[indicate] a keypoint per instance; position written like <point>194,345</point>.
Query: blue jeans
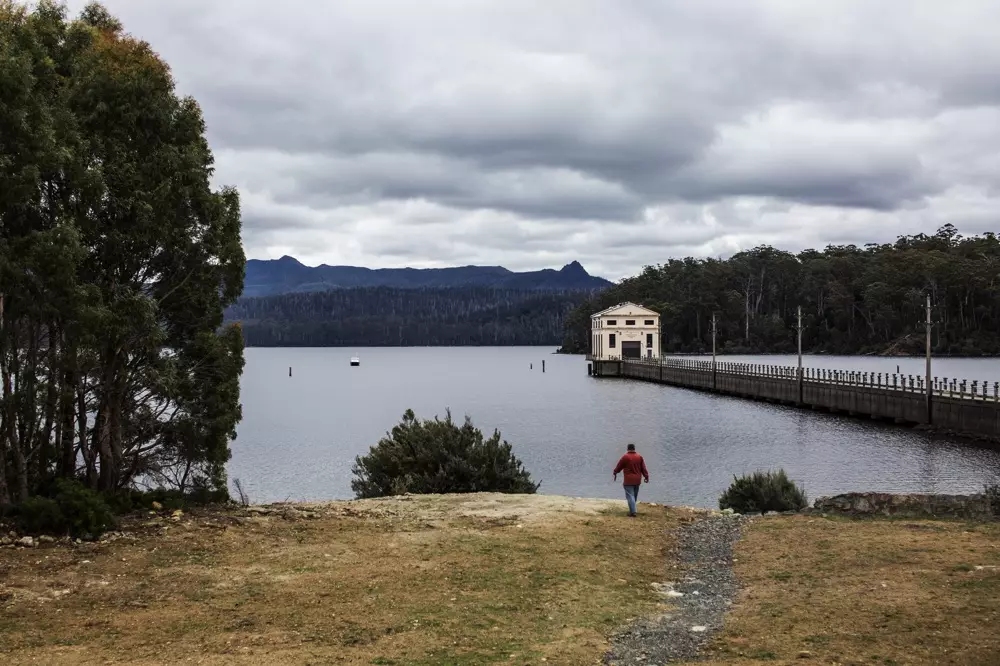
<point>631,496</point>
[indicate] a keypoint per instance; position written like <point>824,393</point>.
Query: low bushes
<point>763,491</point>
<point>73,510</point>
<point>130,501</point>
<point>439,457</point>
<point>69,508</point>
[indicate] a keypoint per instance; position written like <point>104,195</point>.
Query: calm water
<point>300,434</point>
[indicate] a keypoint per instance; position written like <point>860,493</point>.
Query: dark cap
<point>631,447</point>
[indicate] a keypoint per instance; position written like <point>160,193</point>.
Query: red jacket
<point>634,467</point>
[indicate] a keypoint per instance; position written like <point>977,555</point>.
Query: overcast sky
<point>532,133</point>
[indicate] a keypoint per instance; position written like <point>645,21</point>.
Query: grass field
<point>490,579</point>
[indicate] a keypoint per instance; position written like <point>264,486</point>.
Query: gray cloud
<point>530,134</point>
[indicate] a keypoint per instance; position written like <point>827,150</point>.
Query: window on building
<point>612,322</point>
<point>649,339</point>
<point>650,322</point>
<point>630,322</point>
<point>611,341</point>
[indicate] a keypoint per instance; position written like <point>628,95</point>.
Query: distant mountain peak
<point>285,259</point>
<point>574,268</point>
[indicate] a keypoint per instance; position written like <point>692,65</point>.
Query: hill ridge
<point>269,277</point>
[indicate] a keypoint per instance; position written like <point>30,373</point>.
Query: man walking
<point>635,471</point>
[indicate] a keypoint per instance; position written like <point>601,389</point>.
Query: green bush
<point>74,510</point>
<point>130,501</point>
<point>763,491</point>
<point>38,515</point>
<point>439,457</point>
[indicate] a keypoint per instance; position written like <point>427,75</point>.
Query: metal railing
<point>940,386</point>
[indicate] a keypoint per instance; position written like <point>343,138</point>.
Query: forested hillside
<point>854,299</point>
<point>386,316</point>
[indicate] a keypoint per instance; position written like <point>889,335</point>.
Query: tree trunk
<point>64,443</point>
<point>85,449</point>
<point>51,404</point>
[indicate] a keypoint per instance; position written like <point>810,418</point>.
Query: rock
<point>26,542</point>
<point>727,512</point>
<point>805,654</point>
<point>176,515</point>
<point>908,505</point>
<point>157,506</point>
<point>45,538</point>
<point>699,628</point>
<point>6,541</point>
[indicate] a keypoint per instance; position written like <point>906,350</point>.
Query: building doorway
<point>631,349</point>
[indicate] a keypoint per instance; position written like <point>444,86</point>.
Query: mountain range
<point>267,277</point>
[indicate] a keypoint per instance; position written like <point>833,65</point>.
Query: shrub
<point>37,515</point>
<point>439,457</point>
<point>74,510</point>
<point>763,491</point>
<point>129,501</point>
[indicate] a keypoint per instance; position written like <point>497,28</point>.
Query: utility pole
<point>927,379</point>
<point>798,327</point>
<point>713,351</point>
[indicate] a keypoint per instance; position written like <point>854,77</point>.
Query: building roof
<point>626,308</point>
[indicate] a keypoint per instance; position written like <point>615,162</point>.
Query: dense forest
<point>867,299</point>
<point>117,259</point>
<point>387,316</point>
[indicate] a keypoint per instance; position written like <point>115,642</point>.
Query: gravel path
<point>699,598</point>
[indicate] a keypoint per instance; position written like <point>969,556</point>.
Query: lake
<point>300,434</point>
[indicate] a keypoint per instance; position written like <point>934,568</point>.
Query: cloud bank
<point>527,134</point>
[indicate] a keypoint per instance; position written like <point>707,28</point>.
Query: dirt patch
<point>472,579</point>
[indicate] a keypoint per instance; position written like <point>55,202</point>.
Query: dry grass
<point>487,579</point>
<point>865,592</point>
<point>430,580</point>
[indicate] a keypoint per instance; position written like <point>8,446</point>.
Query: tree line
<point>389,316</point>
<point>854,300</point>
<point>116,262</point>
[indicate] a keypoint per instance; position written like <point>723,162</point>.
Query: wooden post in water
<point>289,371</point>
<point>543,365</point>
<point>798,327</point>
<point>930,414</point>
<point>713,353</point>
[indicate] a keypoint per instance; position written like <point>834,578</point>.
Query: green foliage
<point>75,510</point>
<point>763,491</point>
<point>439,456</point>
<point>853,299</point>
<point>131,501</point>
<point>117,261</point>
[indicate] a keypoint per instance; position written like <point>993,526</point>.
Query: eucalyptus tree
<point>117,259</point>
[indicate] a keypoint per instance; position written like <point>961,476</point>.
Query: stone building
<point>624,331</point>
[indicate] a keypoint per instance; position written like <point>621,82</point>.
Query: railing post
<point>930,409</point>
<point>799,371</point>
<point>713,353</point>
